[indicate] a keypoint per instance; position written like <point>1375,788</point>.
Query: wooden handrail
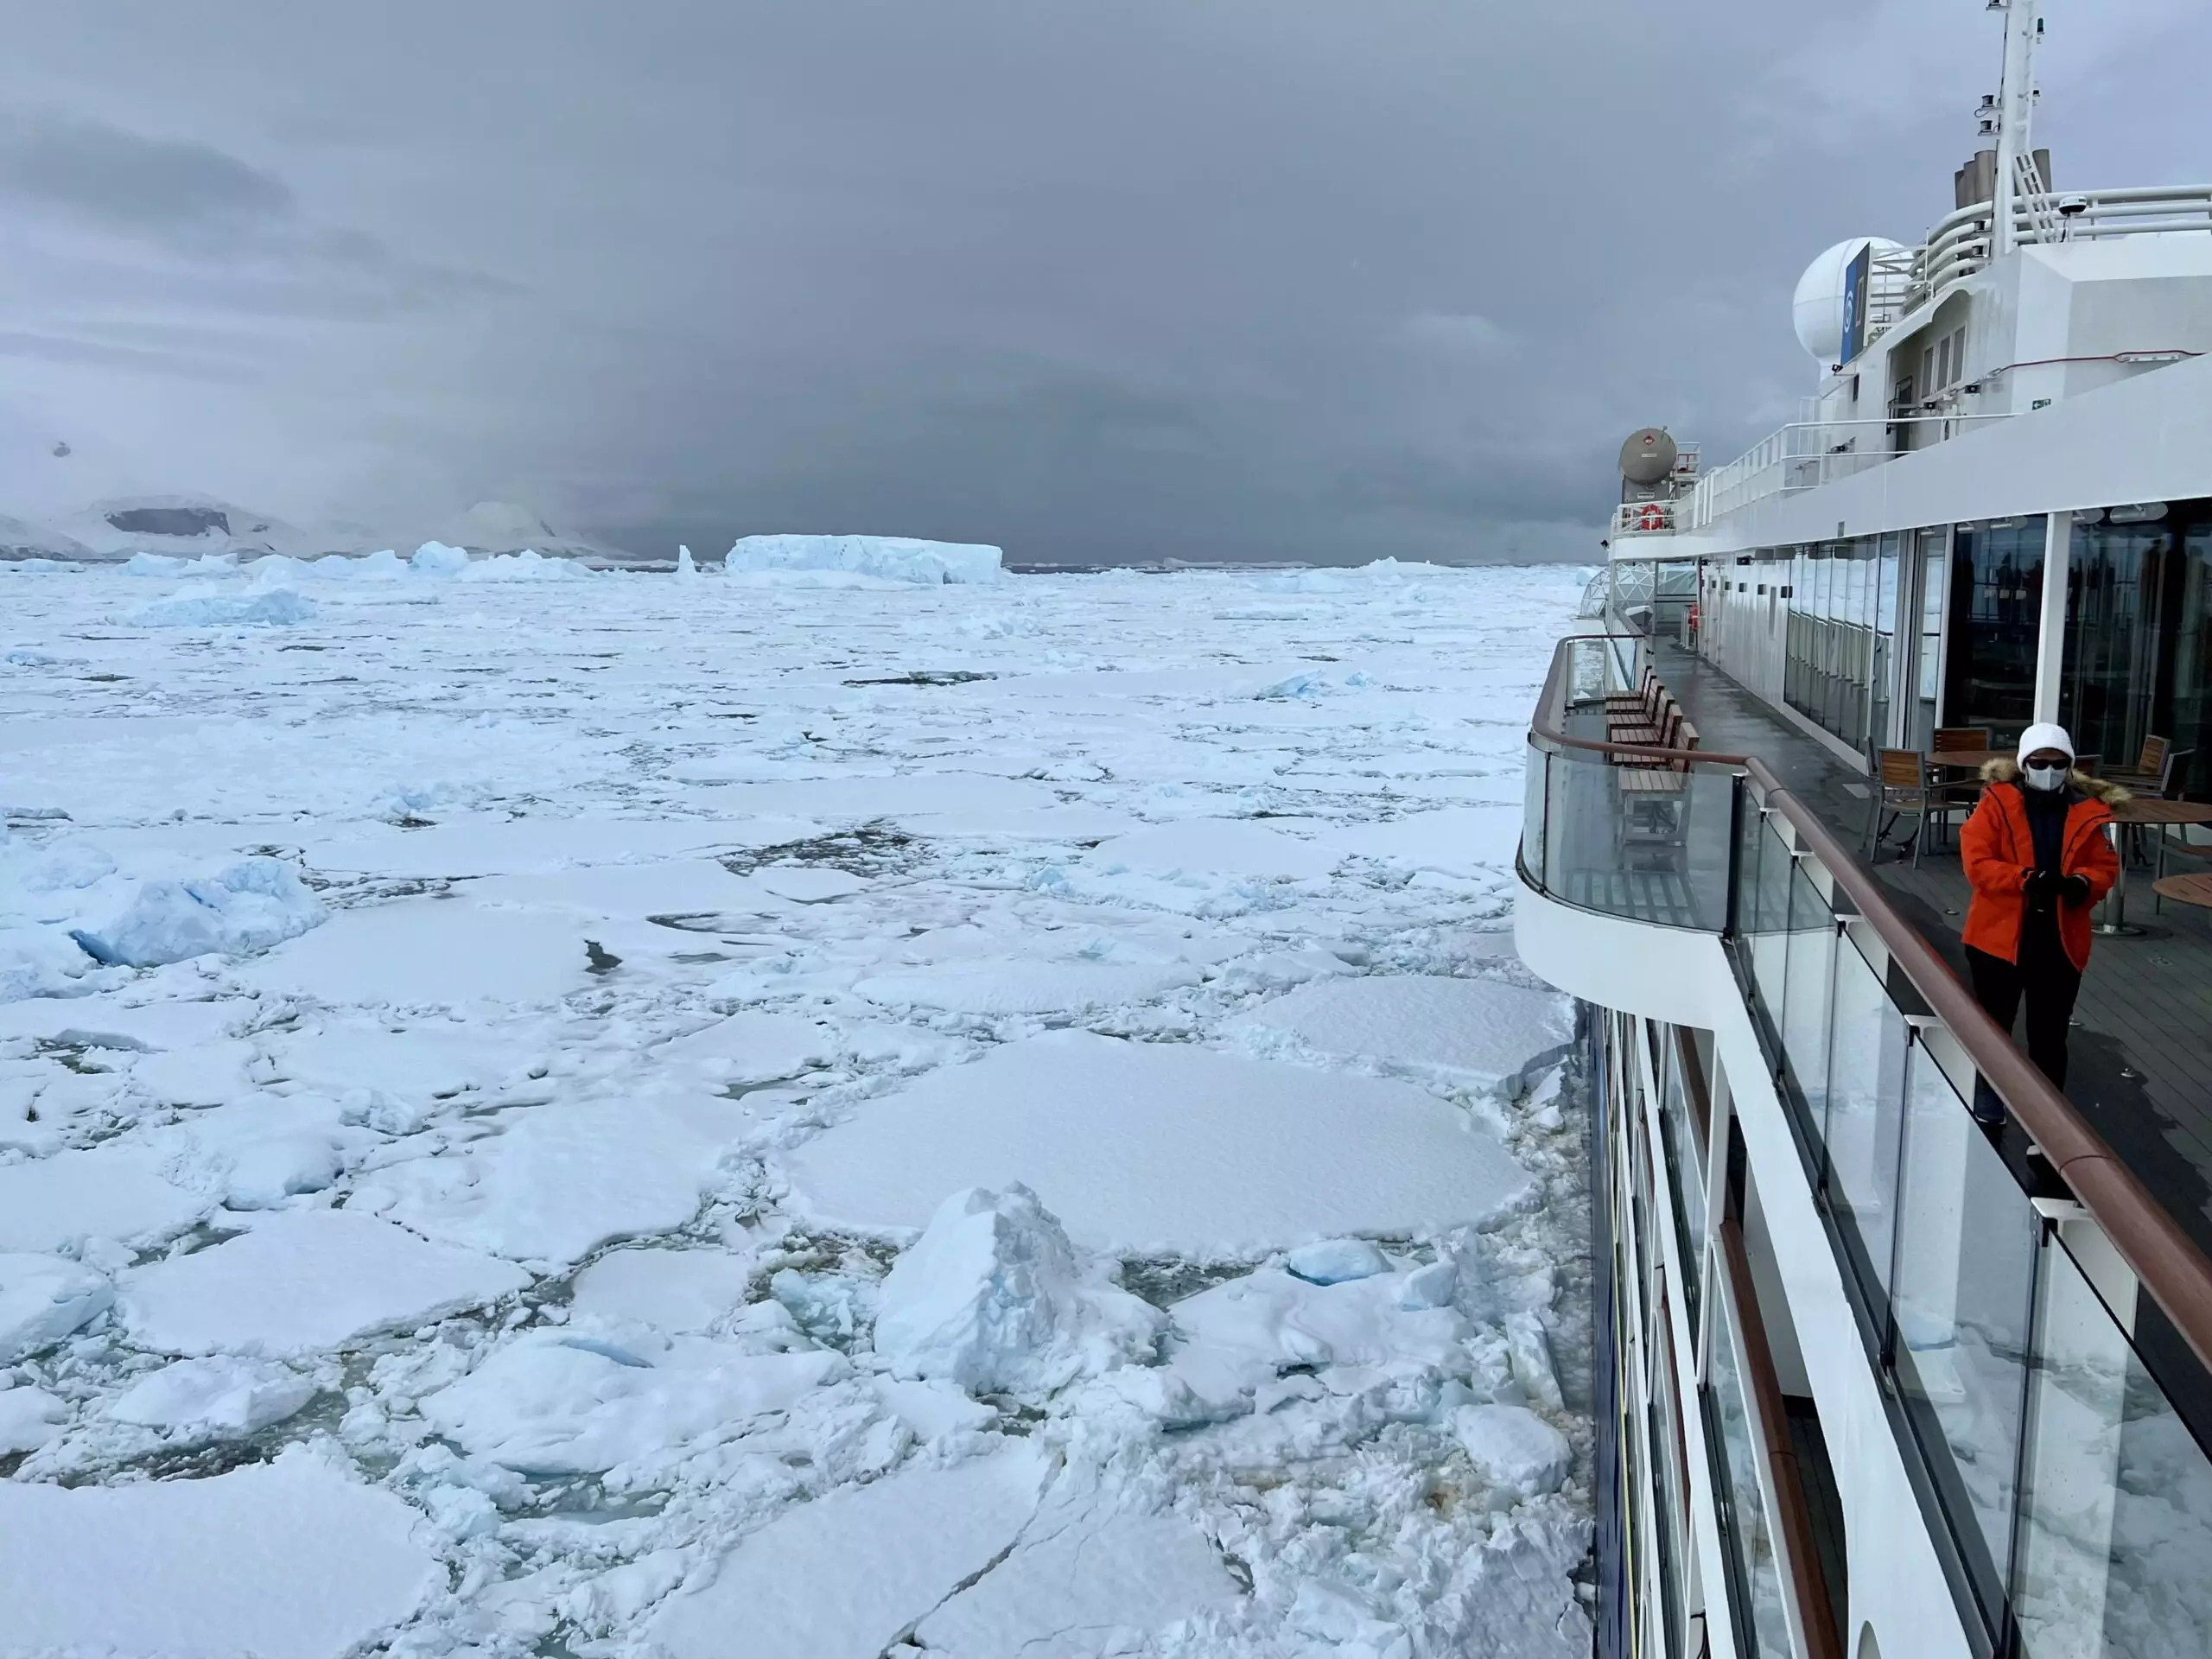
<point>2164,1259</point>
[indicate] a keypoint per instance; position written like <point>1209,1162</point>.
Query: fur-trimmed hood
<point>2004,771</point>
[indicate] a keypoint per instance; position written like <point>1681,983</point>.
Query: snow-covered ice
<point>1159,1148</point>
<point>480,1061</point>
<point>1480,1031</point>
<point>287,1557</point>
<point>847,1576</point>
<point>303,1281</point>
<point>43,1299</point>
<point>990,1297</point>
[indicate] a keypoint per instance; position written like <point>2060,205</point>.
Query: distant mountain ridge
<point>189,525</point>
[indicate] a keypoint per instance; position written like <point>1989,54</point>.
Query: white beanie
<point>2045,735</point>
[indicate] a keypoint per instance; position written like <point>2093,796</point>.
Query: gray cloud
<point>161,188</point>
<point>1261,277</point>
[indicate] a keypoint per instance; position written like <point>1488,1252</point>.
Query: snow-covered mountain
<point>186,525</point>
<point>193,526</point>
<point>21,539</point>
<point>506,527</point>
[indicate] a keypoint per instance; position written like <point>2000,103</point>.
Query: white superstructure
<point>1881,1382</point>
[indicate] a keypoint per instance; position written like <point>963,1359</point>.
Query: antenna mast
<point>2016,115</point>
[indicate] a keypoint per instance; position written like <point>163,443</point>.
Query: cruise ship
<point>1876,1377</point>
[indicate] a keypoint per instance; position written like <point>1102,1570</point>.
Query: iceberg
<point>893,558</point>
<point>272,607</point>
<point>254,904</point>
<point>993,1299</point>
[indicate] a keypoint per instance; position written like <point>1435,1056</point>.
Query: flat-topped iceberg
<point>889,558</point>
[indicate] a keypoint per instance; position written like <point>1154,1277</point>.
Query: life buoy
<point>1654,516</point>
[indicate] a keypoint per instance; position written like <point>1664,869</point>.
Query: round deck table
<point>2165,815</point>
<point>2185,889</point>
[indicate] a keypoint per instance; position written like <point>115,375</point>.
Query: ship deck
<point>2140,1062</point>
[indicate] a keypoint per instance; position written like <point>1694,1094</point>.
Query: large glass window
<point>1996,610</point>
<point>1843,611</point>
<point>2139,627</point>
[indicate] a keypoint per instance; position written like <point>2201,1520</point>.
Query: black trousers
<point>2045,979</point>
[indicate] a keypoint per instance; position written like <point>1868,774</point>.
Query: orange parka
<point>1998,849</point>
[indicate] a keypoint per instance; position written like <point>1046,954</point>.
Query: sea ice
<point>1150,1147</point>
<point>431,952</point>
<point>752,1047</point>
<point>1476,1032</point>
<point>29,1418</point>
<point>1089,1585</point>
<point>252,905</point>
<point>845,1576</point>
<point>893,796</point>
<point>488,780</point>
<point>43,1299</point>
<point>1021,986</point>
<point>1337,1260</point>
<point>484,844</point>
<point>991,1297</point>
<point>283,1558</point>
<point>273,608</point>
<point>304,1280</point>
<point>1216,846</point>
<point>1516,1451</point>
<point>808,884</point>
<point>563,1178</point>
<point>675,1291</point>
<point>563,1405</point>
<point>1459,841</point>
<point>221,1399</point>
<point>111,1191</point>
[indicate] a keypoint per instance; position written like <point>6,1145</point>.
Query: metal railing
<point>1645,517</point>
<point>1805,455</point>
<point>1960,244</point>
<point>2041,1327</point>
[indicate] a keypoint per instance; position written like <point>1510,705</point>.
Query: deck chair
<point>2155,769</point>
<point>1900,786</point>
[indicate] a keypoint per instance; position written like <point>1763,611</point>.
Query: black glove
<point>2039,884</point>
<point>2075,889</point>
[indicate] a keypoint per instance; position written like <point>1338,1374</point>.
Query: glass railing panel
<point>1765,920</point>
<point>1685,1168</point>
<point>1964,1278</point>
<point>1751,1526</point>
<point>1808,979</point>
<point>1532,815</point>
<point>2115,1551</point>
<point>1646,843</point>
<point>1863,1123</point>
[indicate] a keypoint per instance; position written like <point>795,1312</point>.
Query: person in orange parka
<point>2036,853</point>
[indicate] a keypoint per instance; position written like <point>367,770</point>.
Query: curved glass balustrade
<point>2063,1456</point>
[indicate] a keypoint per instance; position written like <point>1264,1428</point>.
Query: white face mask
<point>2046,777</point>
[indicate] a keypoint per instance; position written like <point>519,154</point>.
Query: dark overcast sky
<point>1207,278</point>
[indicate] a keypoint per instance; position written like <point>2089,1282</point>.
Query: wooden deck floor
<point>2140,1062</point>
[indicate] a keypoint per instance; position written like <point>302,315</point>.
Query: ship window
<point>1943,361</point>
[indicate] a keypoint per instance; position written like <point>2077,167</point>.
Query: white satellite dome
<point>1818,308</point>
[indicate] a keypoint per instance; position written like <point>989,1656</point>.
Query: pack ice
<point>842,1103</point>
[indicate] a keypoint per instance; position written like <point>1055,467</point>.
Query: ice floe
<point>991,1297</point>
<point>288,1558</point>
<point>1476,1032</point>
<point>847,1576</point>
<point>1139,1148</point>
<point>300,1281</point>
